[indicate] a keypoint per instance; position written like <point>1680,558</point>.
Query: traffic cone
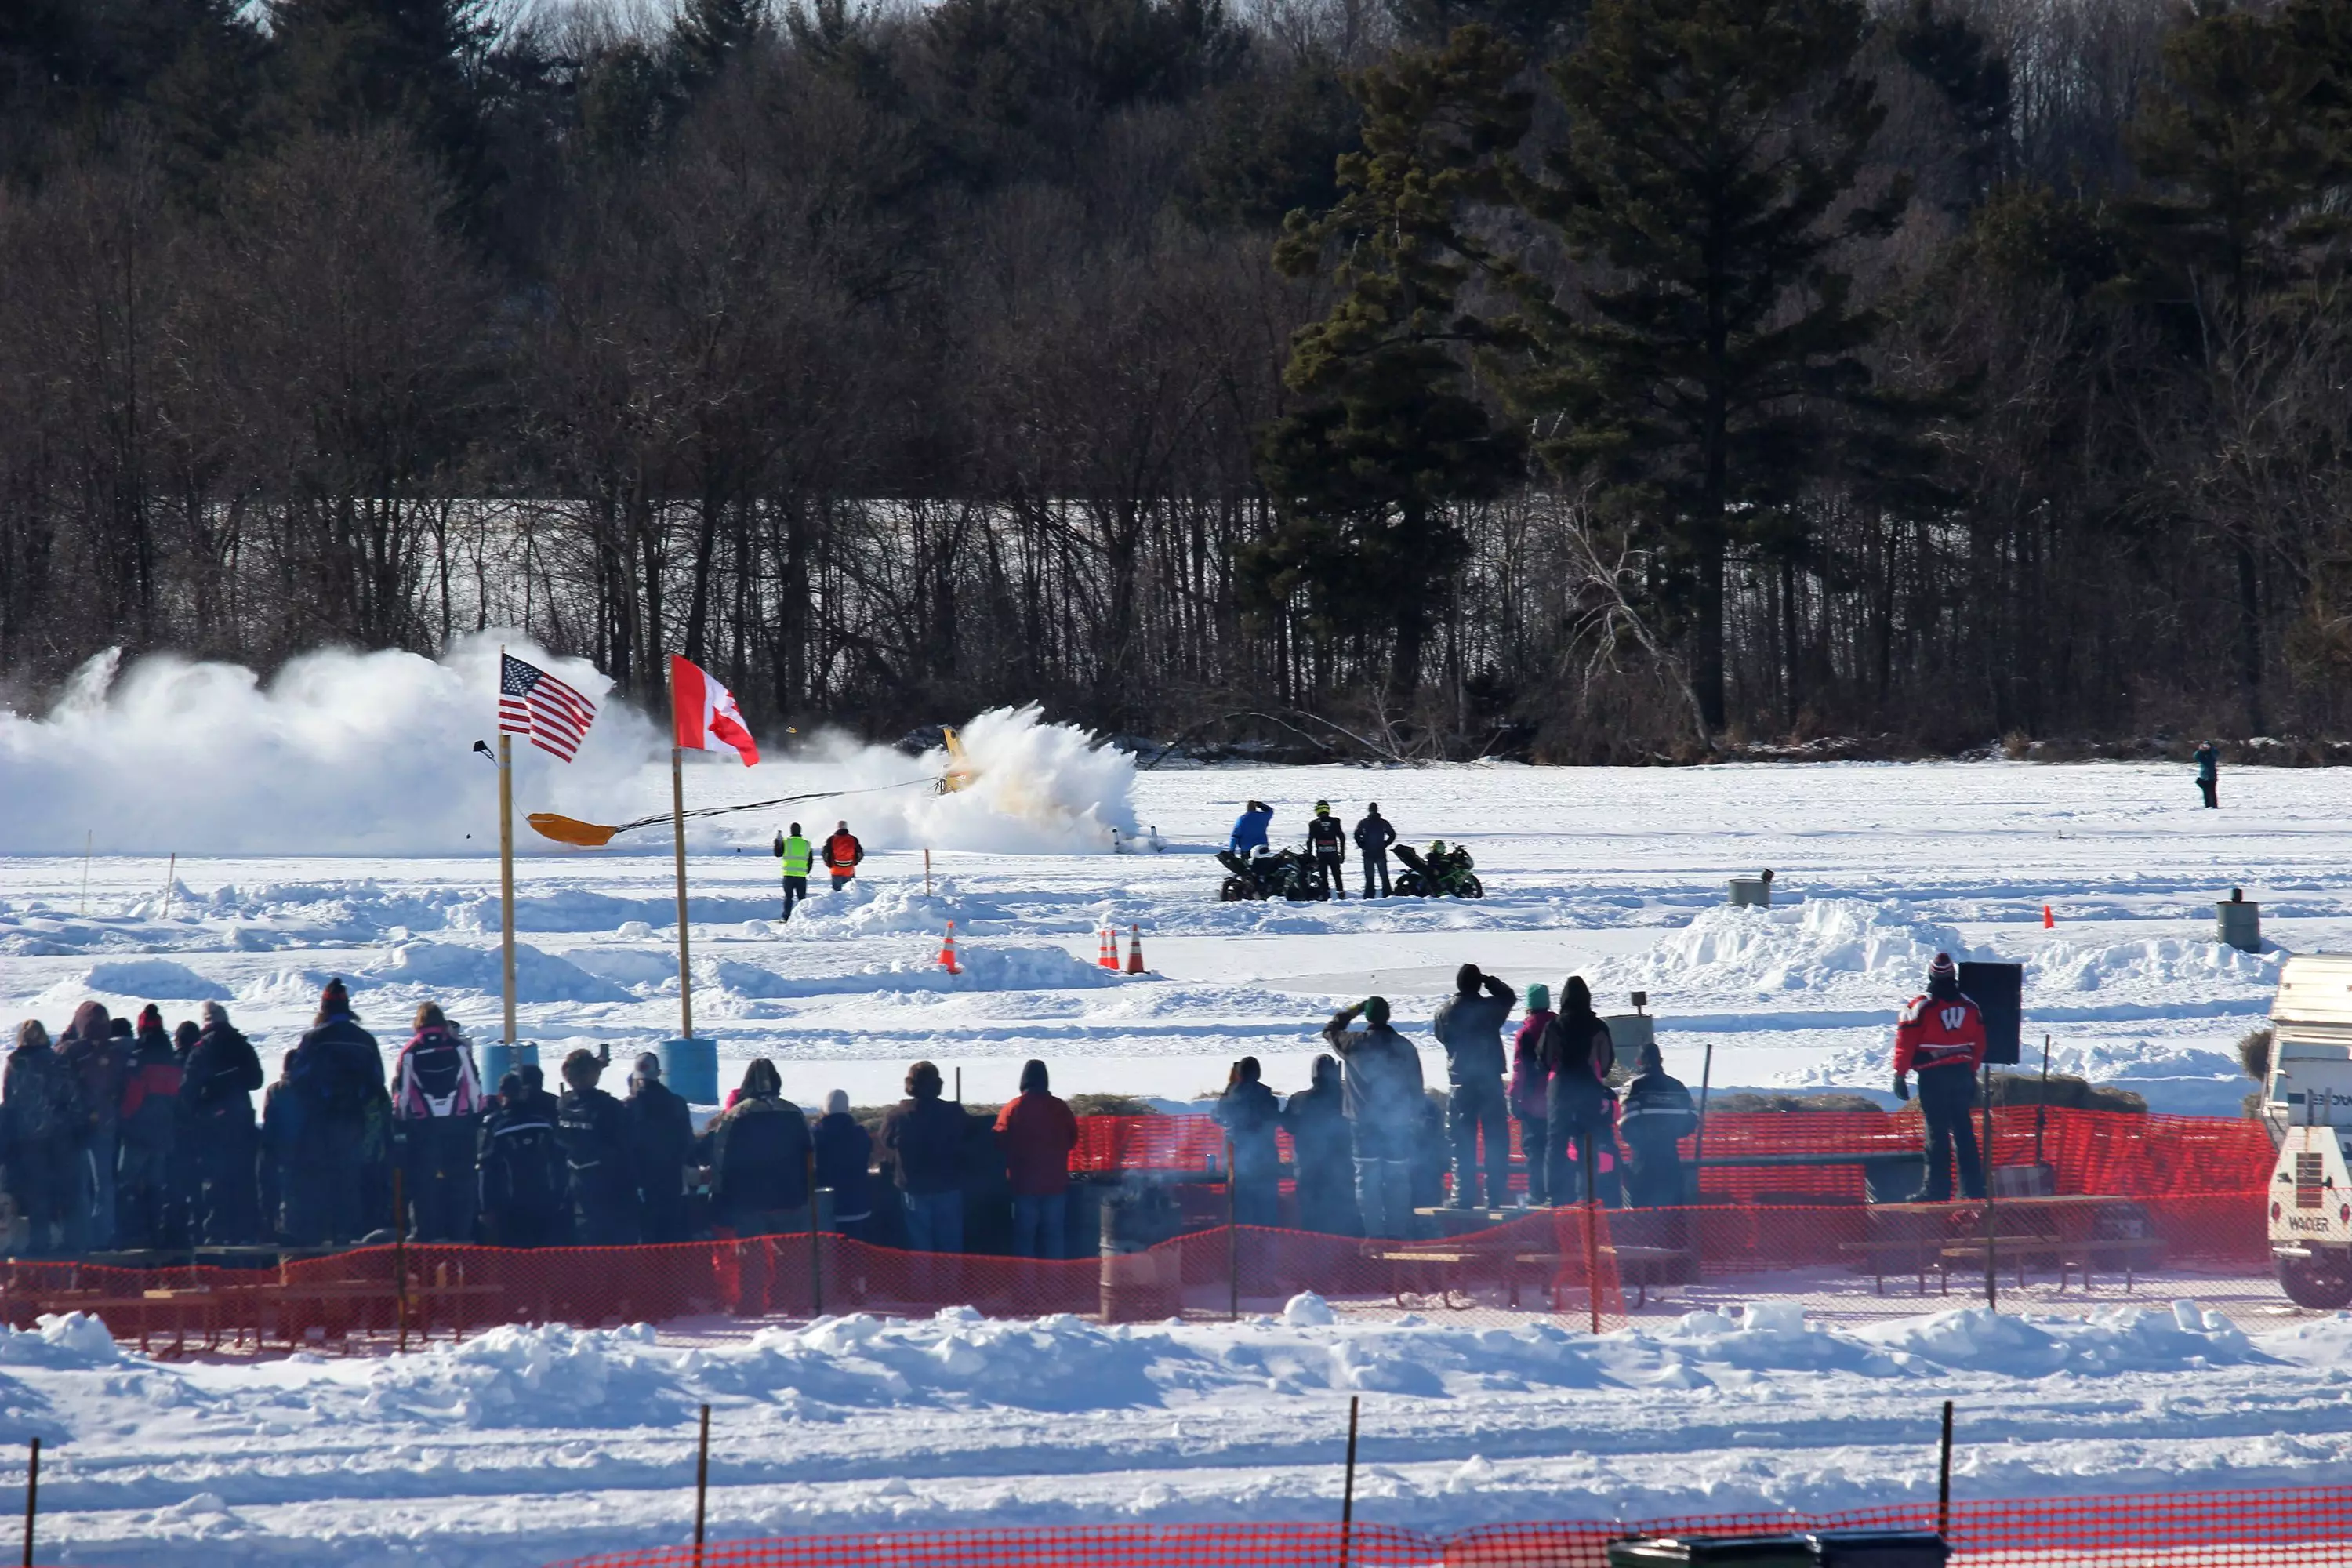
<point>1134,950</point>
<point>948,953</point>
<point>1107,949</point>
<point>2048,921</point>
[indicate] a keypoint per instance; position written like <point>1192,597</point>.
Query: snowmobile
<point>2306,1104</point>
<point>1283,874</point>
<point>1441,873</point>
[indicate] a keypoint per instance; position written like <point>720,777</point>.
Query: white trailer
<point>2307,1105</point>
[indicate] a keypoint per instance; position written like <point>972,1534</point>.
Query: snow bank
<point>446,966</point>
<point>984,969</point>
<point>1800,947</point>
<point>144,979</point>
<point>340,751</point>
<point>2066,967</point>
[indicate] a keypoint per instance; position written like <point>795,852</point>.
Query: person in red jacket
<point>843,855</point>
<point>1037,1132</point>
<point>1941,1037</point>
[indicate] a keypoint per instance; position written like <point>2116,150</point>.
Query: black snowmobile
<point>1440,873</point>
<point>1284,874</point>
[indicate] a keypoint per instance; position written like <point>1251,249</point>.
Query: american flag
<point>533,702</point>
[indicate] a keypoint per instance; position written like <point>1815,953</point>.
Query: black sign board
<point>1998,990</point>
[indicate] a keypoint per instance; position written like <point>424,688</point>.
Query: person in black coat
<point>37,1127</point>
<point>1658,1116</point>
<point>336,1078</point>
<point>1323,1146</point>
<point>760,1153</point>
<point>525,1188</point>
<point>148,1121</point>
<point>844,1162</point>
<point>661,1143</point>
<point>594,1132</point>
<point>926,1137</point>
<point>1580,1110</point>
<point>1373,836</point>
<point>1250,1115</point>
<point>217,1083</point>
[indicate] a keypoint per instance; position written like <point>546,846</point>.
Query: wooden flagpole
<point>678,833</point>
<point>506,863</point>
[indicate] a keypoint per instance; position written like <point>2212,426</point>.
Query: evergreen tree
<point>2243,149</point>
<point>1707,177</point>
<point>1948,49</point>
<point>709,33</point>
<point>1392,436</point>
<point>352,66</point>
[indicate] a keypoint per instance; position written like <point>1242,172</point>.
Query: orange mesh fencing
<point>2177,1530</point>
<point>2133,1208</point>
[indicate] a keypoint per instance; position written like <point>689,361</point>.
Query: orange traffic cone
<point>1107,949</point>
<point>948,953</point>
<point>1134,950</point>
<point>2048,922</point>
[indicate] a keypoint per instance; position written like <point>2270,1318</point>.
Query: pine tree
<point>1948,49</point>
<point>709,33</point>
<point>2243,148</point>
<point>348,66</point>
<point>1708,179</point>
<point>1391,434</point>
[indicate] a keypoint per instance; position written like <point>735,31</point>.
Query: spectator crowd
<point>118,1135</point>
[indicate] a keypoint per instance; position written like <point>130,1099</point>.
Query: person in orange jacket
<point>1941,1037</point>
<point>841,855</point>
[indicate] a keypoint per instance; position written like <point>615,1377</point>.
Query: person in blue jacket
<point>1249,828</point>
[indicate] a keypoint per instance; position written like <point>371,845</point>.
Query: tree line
<point>1578,379</point>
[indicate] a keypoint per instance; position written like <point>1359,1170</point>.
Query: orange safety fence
<point>1588,1269</point>
<point>2130,1208</point>
<point>2108,1151</point>
<point>2173,1530</point>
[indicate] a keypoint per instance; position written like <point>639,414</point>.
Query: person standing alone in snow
<point>2209,773</point>
<point>796,855</point>
<point>1941,1037</point>
<point>1373,836</point>
<point>842,854</point>
<point>1328,841</point>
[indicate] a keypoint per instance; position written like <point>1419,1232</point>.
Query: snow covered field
<point>529,1445</point>
<point>1614,874</point>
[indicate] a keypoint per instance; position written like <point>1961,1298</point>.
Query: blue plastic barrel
<point>691,1068</point>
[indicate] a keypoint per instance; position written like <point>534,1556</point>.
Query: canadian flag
<point>705,714</point>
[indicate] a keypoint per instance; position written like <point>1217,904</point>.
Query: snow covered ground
<point>1618,875</point>
<point>529,1445</point>
<point>352,837</point>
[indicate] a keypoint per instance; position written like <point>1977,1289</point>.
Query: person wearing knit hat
<point>1941,1037</point>
<point>1383,1097</point>
<point>594,1132</point>
<point>1529,1082</point>
<point>336,1078</point>
<point>845,1156</point>
<point>661,1146</point>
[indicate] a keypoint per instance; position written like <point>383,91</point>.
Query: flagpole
<point>505,864</point>
<point>506,879</point>
<point>677,833</point>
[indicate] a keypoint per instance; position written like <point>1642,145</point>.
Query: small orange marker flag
<point>948,951</point>
<point>1135,950</point>
<point>2048,924</point>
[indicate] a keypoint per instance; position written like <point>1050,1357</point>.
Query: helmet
<point>1322,806</point>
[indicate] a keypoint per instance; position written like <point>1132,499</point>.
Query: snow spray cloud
<point>1038,789</point>
<point>341,753</point>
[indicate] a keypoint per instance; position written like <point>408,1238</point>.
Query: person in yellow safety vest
<point>796,853</point>
<point>842,854</point>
